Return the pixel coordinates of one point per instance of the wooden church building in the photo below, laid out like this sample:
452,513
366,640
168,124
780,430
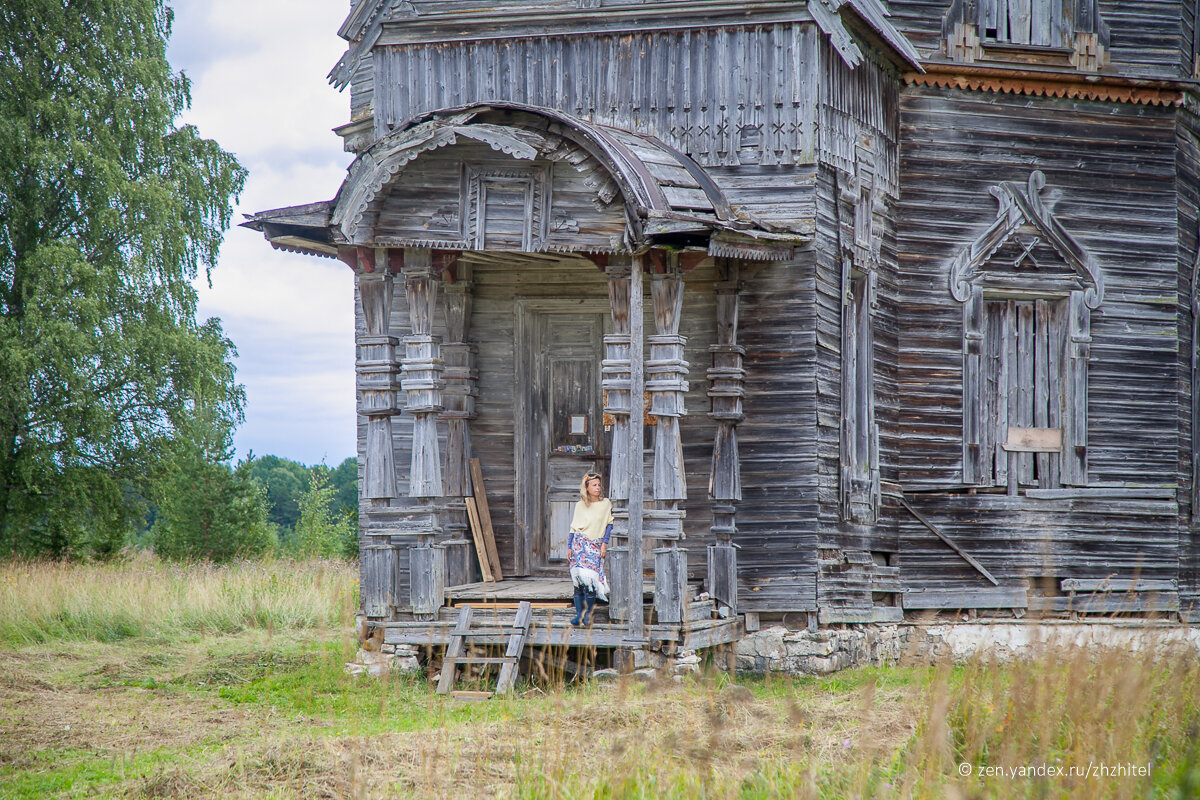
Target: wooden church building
862,307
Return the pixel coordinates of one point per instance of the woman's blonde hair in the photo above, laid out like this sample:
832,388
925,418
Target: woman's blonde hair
583,492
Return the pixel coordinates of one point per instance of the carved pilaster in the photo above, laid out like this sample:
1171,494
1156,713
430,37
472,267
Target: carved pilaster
624,377
421,370
376,370
617,405
726,379
615,371
461,381
458,398
666,374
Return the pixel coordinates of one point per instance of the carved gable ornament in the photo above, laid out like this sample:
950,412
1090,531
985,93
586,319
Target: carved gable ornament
1026,249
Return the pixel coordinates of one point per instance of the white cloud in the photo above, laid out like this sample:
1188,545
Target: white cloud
258,87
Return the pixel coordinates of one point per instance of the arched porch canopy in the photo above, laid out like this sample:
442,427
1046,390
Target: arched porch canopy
505,176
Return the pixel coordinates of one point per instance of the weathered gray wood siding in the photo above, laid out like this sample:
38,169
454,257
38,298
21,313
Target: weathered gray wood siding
362,91
547,204
1188,188
777,518
721,94
853,104
1150,38
1110,172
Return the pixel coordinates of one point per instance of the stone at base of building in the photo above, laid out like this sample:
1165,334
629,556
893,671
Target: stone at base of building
390,658
779,649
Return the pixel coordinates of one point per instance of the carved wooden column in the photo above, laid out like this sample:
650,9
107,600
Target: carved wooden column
666,373
726,380
376,372
615,369
458,398
617,405
421,381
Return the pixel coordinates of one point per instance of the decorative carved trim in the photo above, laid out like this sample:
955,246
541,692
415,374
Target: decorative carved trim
1025,83
1020,207
604,155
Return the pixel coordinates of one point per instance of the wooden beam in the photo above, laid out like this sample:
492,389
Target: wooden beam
949,542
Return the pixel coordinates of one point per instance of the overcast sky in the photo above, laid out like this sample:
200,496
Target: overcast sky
258,87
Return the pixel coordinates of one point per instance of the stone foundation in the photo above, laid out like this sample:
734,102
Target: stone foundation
387,658
778,649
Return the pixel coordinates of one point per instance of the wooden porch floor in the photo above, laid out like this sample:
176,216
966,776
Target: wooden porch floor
552,614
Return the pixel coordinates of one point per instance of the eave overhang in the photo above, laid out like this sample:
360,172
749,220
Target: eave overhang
669,199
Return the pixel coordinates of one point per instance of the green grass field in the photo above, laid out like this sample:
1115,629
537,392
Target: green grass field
150,680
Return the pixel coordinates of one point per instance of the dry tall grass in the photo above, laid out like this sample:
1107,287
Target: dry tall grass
1065,722
42,601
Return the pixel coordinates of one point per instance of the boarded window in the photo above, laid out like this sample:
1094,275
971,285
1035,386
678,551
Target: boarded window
1038,23
1025,392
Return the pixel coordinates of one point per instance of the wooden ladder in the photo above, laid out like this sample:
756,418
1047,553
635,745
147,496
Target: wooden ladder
509,662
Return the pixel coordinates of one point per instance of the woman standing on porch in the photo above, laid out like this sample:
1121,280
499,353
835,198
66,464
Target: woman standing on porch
587,545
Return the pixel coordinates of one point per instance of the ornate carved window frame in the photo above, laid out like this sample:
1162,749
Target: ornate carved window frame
1064,301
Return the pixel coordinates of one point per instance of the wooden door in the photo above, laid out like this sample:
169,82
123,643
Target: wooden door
565,423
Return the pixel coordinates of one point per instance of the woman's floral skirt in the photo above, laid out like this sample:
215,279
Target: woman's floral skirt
587,567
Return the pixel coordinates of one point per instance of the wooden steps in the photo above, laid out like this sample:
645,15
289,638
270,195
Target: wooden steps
462,635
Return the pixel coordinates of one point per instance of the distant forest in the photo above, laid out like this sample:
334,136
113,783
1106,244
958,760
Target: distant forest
286,481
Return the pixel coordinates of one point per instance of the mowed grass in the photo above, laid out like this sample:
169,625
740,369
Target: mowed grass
228,682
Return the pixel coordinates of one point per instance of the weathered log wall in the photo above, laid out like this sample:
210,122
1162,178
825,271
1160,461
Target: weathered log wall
859,168
1188,363
1150,38
1110,172
722,95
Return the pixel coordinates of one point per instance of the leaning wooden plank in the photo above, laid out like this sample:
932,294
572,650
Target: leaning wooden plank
516,645
949,542
485,562
485,519
454,651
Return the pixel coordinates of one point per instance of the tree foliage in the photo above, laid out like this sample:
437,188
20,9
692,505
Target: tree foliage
284,481
323,530
108,210
206,509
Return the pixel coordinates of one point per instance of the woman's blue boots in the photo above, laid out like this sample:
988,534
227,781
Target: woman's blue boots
589,599
578,606
585,604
